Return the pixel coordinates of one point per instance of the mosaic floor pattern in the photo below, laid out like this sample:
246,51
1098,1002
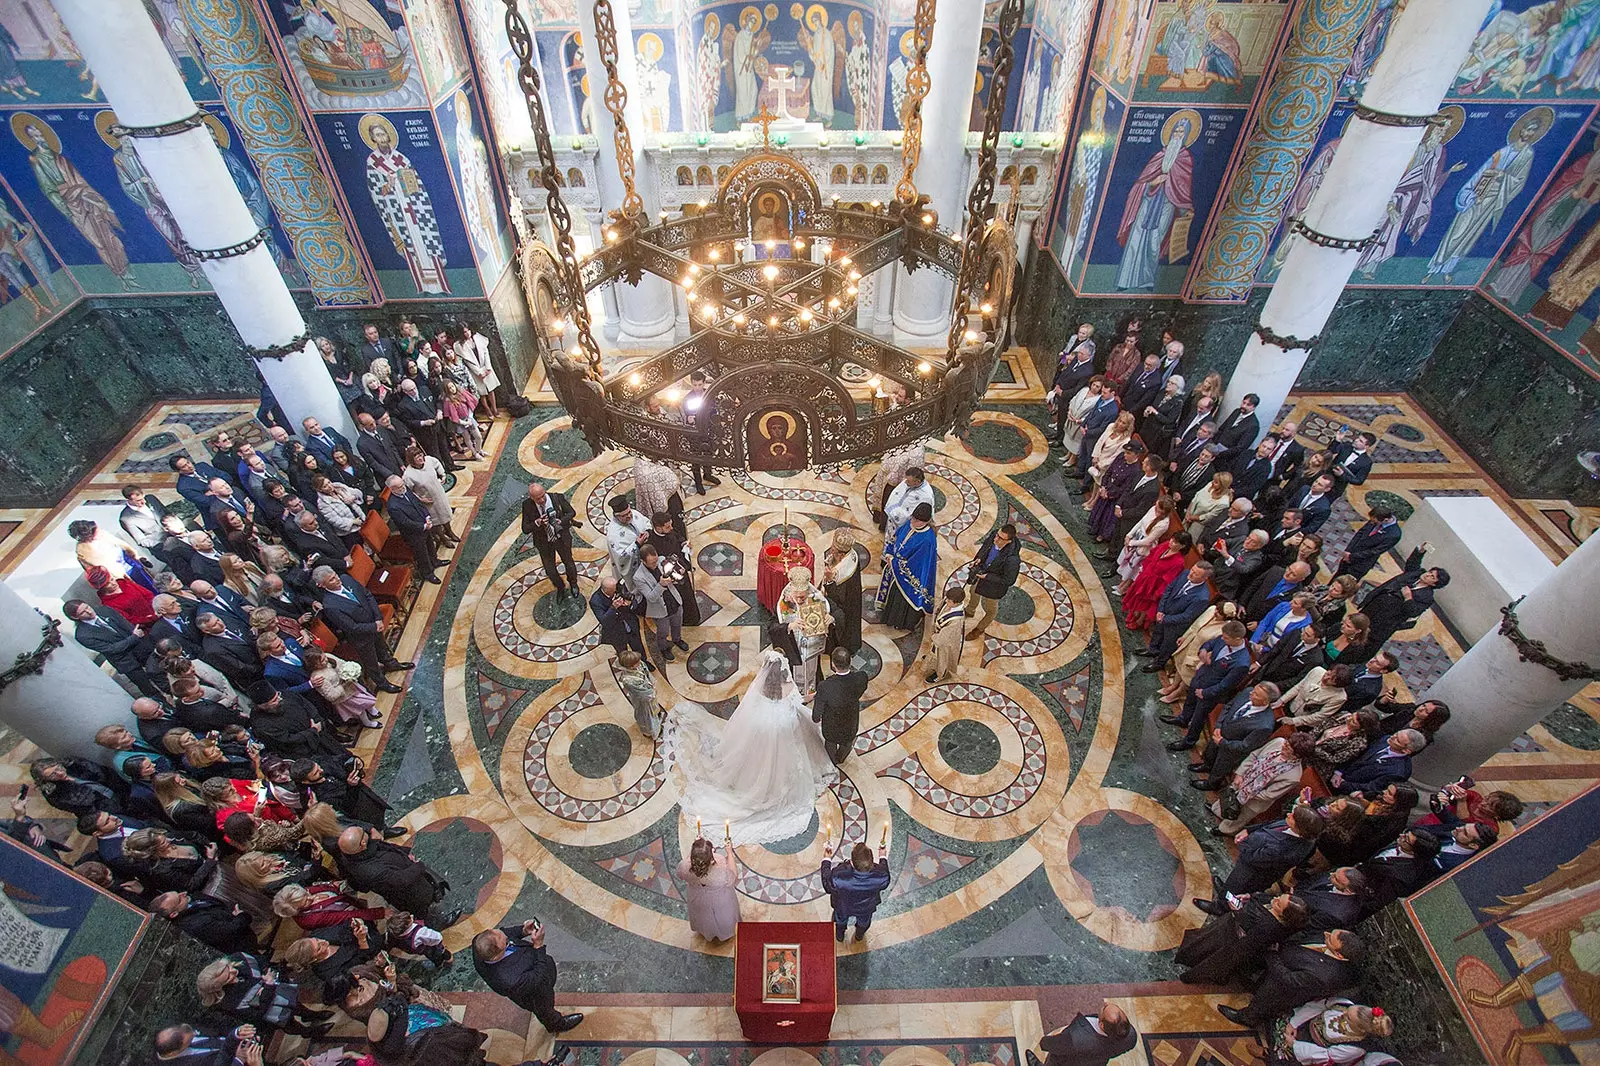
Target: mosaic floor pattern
1041,844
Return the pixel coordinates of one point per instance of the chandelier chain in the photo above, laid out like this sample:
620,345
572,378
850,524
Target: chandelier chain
560,219
981,199
917,84
616,98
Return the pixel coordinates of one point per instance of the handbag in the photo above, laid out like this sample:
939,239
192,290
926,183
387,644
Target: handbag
1229,805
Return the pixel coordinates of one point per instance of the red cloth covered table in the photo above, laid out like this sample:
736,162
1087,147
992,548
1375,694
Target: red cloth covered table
806,1022
772,572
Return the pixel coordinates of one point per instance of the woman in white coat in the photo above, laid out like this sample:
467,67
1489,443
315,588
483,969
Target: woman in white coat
473,348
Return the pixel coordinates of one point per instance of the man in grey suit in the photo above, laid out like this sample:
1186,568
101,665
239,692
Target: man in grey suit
141,519
837,706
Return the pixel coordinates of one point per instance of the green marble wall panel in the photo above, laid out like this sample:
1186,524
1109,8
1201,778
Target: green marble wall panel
1514,403
1376,339
516,328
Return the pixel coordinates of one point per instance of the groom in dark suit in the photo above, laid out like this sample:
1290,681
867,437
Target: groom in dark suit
837,706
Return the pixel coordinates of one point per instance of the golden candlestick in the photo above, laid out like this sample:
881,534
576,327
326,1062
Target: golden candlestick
883,842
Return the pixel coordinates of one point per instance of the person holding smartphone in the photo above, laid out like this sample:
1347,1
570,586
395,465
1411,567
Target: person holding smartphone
512,960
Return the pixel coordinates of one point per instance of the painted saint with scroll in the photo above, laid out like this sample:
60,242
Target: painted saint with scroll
1160,206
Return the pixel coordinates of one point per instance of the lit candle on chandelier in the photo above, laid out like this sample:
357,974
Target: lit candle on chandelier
883,841
698,833
727,830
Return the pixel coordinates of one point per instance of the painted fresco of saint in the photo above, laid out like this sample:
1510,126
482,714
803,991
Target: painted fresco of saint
708,72
1160,206
1483,200
22,254
746,64
1411,206
858,71
477,196
826,45
1087,164
138,186
1183,43
70,193
1565,204
404,205
655,84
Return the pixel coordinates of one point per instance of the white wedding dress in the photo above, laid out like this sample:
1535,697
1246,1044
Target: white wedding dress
762,770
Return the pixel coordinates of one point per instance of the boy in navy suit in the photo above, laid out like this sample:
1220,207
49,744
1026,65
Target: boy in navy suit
855,886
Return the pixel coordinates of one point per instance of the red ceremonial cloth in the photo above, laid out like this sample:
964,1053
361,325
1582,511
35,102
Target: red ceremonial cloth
806,1022
772,573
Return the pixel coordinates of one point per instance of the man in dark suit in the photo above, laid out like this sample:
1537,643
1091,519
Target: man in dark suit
1333,899
1254,471
993,572
1143,387
1231,525
1283,543
1387,761
1314,502
1224,662
548,520
837,705
1367,686
114,638
228,648
1273,586
194,481
1464,842
1370,543
1299,973
1238,565
372,864
1189,449
1399,602
353,615
108,831
315,547
1089,1040
173,624
1287,453
1072,374
321,441
221,926
220,496
618,611
205,562
1242,728
283,663
383,450
1268,852
1352,460
223,602
1098,419
1181,603
1399,870
410,516
1239,430
1189,427
418,411
513,962
374,346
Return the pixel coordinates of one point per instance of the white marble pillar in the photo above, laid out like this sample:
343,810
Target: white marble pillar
882,322
646,310
1493,695
611,320
60,709
1428,42
922,299
121,46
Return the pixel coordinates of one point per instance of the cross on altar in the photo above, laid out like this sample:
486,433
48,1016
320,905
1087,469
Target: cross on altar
766,119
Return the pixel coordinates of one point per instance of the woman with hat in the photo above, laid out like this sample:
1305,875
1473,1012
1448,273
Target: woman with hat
910,572
841,582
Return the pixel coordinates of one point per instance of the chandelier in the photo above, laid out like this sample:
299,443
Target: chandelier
771,275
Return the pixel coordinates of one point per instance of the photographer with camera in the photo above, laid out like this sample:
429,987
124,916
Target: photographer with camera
548,518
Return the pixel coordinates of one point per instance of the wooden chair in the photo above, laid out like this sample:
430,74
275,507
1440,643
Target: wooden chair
387,545
388,584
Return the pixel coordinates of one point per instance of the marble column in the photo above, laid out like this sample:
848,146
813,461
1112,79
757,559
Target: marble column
1428,41
143,85
239,59
882,322
923,297
1493,695
646,311
59,709
1305,84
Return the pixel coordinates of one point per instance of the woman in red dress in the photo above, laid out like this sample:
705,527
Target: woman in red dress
1157,572
128,598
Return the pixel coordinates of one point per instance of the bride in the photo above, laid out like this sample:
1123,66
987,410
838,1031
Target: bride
762,770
